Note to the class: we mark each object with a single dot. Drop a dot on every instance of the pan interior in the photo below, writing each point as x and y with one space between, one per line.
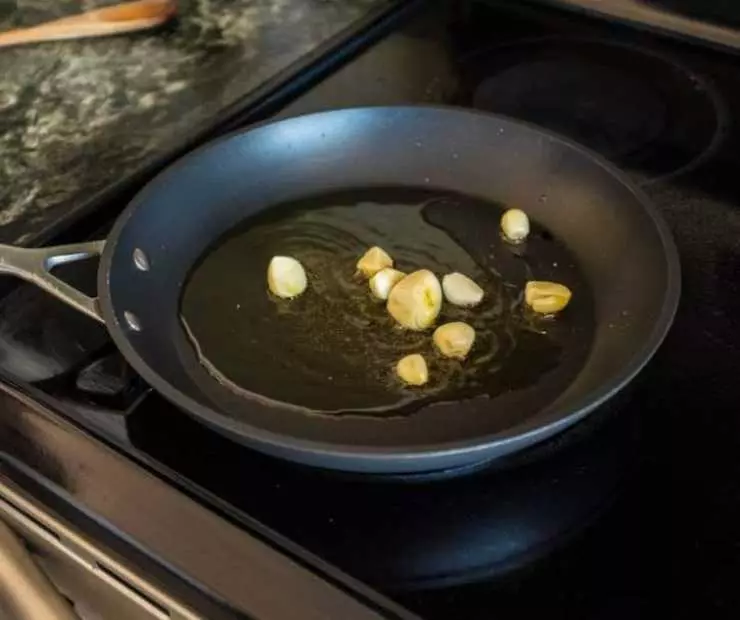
333 349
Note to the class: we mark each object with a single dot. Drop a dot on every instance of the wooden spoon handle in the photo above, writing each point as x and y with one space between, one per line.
116 19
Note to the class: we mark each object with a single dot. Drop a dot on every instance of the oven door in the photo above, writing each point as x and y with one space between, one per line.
25 591
50 572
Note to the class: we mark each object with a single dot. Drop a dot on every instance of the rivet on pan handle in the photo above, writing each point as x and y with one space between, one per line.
35 264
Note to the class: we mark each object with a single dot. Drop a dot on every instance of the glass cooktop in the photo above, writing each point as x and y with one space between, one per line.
610 519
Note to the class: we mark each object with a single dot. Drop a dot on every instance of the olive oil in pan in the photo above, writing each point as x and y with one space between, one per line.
334 348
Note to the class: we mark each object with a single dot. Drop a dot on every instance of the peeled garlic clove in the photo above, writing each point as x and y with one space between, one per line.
286 277
413 370
460 290
383 281
416 300
373 261
515 225
454 339
546 297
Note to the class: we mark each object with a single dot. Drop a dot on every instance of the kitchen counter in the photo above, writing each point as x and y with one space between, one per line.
77 116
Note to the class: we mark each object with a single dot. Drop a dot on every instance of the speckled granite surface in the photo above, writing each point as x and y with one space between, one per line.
76 116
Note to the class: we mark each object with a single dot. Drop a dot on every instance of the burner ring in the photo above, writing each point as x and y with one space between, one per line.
639 108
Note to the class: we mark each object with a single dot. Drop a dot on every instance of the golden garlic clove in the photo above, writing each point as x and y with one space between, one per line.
373 261
383 282
546 297
515 225
454 339
460 290
413 370
286 277
416 300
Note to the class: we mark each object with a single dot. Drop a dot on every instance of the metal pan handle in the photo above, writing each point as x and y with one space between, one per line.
35 264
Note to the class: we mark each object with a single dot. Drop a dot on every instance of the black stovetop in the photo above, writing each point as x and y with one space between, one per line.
635 509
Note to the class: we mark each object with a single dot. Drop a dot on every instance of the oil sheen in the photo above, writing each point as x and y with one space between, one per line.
333 350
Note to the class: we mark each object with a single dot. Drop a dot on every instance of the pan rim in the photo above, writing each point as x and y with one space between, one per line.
526 432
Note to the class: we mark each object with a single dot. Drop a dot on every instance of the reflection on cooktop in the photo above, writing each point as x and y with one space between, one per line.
636 107
414 531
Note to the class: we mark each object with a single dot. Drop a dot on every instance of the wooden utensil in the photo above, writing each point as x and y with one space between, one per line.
110 20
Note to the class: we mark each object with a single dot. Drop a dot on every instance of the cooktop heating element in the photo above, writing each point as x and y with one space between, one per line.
637 107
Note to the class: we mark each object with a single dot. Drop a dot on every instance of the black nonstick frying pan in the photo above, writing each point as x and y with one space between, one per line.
593 230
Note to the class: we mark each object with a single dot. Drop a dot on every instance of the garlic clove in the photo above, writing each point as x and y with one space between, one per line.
546 297
416 300
454 339
413 370
515 225
373 261
286 277
383 282
460 290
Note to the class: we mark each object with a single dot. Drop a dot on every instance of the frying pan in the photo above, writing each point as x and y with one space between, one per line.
619 241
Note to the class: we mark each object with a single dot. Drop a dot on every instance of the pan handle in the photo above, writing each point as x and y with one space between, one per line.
35 264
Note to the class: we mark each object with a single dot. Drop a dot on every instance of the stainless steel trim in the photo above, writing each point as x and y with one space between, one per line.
24 515
24 588
640 13
35 264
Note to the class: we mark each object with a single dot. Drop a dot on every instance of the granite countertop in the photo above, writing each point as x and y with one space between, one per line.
77 116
